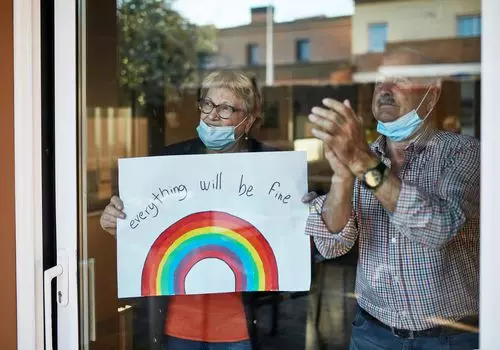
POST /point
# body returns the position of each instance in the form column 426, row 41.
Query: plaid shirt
column 420, row 264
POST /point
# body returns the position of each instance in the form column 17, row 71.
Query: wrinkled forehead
column 221, row 94
column 406, row 65
column 405, row 80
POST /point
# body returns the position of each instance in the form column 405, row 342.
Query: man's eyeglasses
column 400, row 82
column 223, row 110
column 404, row 83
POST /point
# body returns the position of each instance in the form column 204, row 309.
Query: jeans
column 367, row 335
column 172, row 343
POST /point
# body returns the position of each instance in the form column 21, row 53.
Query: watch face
column 373, row 177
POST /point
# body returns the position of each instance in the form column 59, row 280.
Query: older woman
column 229, row 105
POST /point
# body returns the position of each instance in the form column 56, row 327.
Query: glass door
column 129, row 75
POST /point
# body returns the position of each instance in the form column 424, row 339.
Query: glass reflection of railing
column 112, row 133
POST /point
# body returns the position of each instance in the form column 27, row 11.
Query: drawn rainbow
column 203, row 235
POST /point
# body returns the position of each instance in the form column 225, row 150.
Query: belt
column 431, row 332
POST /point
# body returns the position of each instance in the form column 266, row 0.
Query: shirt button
column 394, row 240
column 155, row 340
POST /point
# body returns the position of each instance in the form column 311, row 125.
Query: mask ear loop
column 421, row 102
column 244, row 134
column 426, row 116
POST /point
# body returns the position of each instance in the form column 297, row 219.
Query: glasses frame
column 233, row 109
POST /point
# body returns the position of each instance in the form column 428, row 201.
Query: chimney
column 259, row 14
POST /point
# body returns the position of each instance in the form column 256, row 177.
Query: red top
column 210, row 318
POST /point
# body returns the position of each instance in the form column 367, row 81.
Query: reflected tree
column 158, row 53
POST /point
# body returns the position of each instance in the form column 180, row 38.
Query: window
column 203, row 60
column 468, row 26
column 377, row 37
column 303, row 50
column 252, row 54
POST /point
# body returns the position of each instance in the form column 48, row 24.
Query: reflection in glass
column 146, row 60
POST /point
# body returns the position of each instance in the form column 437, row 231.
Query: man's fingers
column 117, row 202
column 328, row 114
column 340, row 108
column 323, row 136
column 309, row 197
column 322, row 123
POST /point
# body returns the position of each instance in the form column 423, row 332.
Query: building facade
column 311, row 50
column 447, row 31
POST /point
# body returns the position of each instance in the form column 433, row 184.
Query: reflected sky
column 230, row 13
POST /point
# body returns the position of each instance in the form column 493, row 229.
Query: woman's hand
column 110, row 215
column 309, row 197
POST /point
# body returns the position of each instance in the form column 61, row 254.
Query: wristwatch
column 374, row 177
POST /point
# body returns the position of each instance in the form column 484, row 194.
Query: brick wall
column 330, row 40
column 450, row 50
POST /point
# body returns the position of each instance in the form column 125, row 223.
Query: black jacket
column 150, row 313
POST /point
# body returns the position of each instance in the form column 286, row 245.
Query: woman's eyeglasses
column 223, row 110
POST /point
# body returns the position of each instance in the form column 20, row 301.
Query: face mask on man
column 217, row 137
column 403, row 127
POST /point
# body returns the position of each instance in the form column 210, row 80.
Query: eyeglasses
column 223, row 110
column 401, row 82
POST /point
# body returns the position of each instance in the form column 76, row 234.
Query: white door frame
column 490, row 168
column 66, row 163
column 28, row 174
column 27, row 113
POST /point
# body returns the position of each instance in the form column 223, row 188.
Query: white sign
column 213, row 224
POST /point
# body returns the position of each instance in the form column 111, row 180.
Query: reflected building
column 312, row 51
column 447, row 33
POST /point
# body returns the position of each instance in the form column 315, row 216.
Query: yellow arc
column 211, row 230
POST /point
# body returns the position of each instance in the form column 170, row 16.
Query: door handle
column 59, row 271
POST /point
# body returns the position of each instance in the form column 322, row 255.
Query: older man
column 412, row 200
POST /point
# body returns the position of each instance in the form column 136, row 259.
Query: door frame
column 27, row 113
column 490, row 168
column 28, row 170
column 66, row 166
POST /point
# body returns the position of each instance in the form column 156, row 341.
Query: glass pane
column 390, row 238
column 303, row 50
column 377, row 37
column 469, row 26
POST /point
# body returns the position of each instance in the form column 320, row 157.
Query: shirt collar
column 417, row 145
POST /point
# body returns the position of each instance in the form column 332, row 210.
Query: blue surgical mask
column 217, row 137
column 403, row 127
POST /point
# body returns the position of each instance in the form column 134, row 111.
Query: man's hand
column 340, row 171
column 343, row 133
column 110, row 215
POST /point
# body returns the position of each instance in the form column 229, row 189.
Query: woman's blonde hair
column 241, row 85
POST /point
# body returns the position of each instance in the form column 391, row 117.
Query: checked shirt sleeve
column 329, row 244
column 434, row 218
